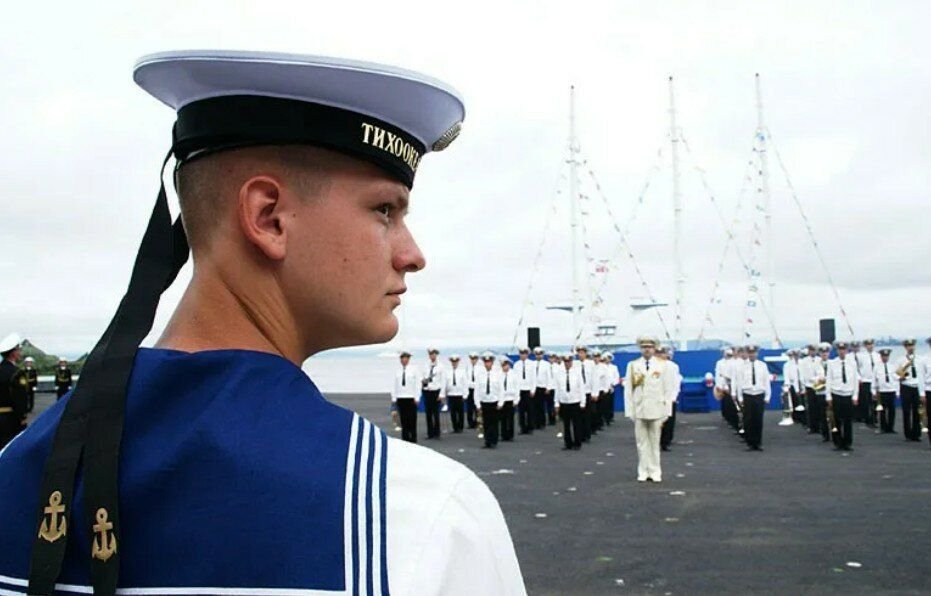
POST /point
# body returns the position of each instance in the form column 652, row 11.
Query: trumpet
column 902, row 371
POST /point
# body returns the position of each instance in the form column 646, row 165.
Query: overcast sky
column 846, row 89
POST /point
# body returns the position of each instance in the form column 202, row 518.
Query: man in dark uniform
column 63, row 379
column 14, row 388
column 32, row 377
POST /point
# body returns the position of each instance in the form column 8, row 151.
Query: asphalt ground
column 797, row 518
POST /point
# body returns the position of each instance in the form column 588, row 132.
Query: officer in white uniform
column 405, row 396
column 723, row 387
column 489, row 392
column 669, row 425
column 913, row 382
column 524, row 370
column 434, row 391
column 819, row 376
column 885, row 392
column 457, row 384
column 570, row 397
column 753, row 392
column 792, row 387
column 841, row 393
column 471, row 403
column 541, row 377
column 648, row 385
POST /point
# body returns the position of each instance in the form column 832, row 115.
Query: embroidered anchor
column 54, row 527
column 103, row 550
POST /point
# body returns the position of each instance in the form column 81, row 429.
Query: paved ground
column 790, row 520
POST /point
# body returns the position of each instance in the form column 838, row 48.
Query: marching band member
column 867, row 363
column 405, row 395
column 570, row 397
column 457, row 384
column 912, row 372
column 841, row 394
column 753, row 393
column 808, row 371
column 523, row 369
column 541, row 375
column 885, row 390
column 32, row 379
column 63, row 378
column 669, row 425
column 488, row 392
column 793, row 387
column 471, row 402
column 587, row 368
column 599, row 375
column 510, row 391
column 614, row 381
column 555, row 363
column 648, row 383
column 434, row 390
column 723, row 373
column 819, row 376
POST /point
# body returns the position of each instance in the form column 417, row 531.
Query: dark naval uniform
column 63, row 381
column 14, row 391
column 32, row 378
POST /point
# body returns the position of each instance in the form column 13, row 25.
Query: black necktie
column 648, row 364
column 584, row 380
column 431, row 373
column 753, row 368
column 488, row 384
column 505, row 382
column 524, row 370
column 914, row 374
column 473, row 374
column 567, row 381
column 843, row 371
column 454, row 377
column 403, row 377
column 886, row 366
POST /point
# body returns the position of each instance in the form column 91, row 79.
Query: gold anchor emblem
column 103, row 550
column 54, row 527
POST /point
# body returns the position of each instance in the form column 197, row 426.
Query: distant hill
column 46, row 363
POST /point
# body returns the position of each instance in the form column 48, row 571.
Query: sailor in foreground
column 911, row 371
column 843, row 382
column 405, row 396
column 63, row 378
column 753, row 392
column 570, row 396
column 14, row 390
column 667, row 435
column 648, row 383
column 456, row 387
column 488, row 393
column 471, row 402
column 236, row 475
column 524, row 370
column 886, row 389
column 32, row 377
column 434, row 391
column 541, row 379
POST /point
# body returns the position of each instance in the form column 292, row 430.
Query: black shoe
column 664, row 447
column 848, row 448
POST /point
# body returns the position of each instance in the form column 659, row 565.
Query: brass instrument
column 879, row 403
column 819, row 384
column 829, row 412
column 902, row 371
column 637, row 379
column 923, row 415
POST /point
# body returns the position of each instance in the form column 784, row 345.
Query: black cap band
column 229, row 122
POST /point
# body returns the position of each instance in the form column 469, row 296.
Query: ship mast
column 767, row 208
column 574, row 211
column 677, row 221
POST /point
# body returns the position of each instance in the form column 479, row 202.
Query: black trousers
column 538, row 399
column 887, row 416
column 455, row 412
column 843, row 418
column 669, row 429
column 609, row 408
column 594, row 413
column 911, row 427
column 797, row 416
column 571, row 415
column 506, row 417
column 490, row 423
column 407, row 414
column 61, row 390
column 30, row 399
column 754, row 405
column 471, row 409
column 865, row 409
column 550, row 402
column 729, row 411
column 431, row 406
column 525, row 412
column 586, row 419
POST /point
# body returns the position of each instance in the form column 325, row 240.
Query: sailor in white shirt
column 555, row 363
column 648, row 385
column 912, row 372
column 613, row 378
column 753, row 392
column 842, row 395
column 457, row 384
column 405, row 395
column 819, row 380
column 570, row 397
column 434, row 390
column 541, row 378
column 669, row 425
column 587, row 369
column 723, row 373
column 867, row 365
column 885, row 390
column 488, row 392
column 510, row 392
column 471, row 402
column 524, row 370
column 807, row 370
column 793, row 389
column 599, row 374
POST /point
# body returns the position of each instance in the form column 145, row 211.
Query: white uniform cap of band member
column 473, row 354
column 568, row 356
column 454, row 358
column 539, row 351
column 29, row 360
column 609, row 356
column 647, row 340
column 404, row 354
column 10, row 342
column 486, row 356
column 523, row 350
column 505, row 360
column 885, row 351
column 824, row 347
column 728, row 351
column 596, row 353
column 752, row 348
column 909, row 341
column 433, row 351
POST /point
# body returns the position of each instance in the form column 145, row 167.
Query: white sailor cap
column 505, row 359
column 523, row 349
column 869, row 341
column 538, row 350
column 728, row 351
column 404, row 354
column 454, row 358
column 824, row 347
column 433, row 351
column 62, row 359
column 10, row 342
column 608, row 355
column 473, row 354
column 486, row 356
column 581, row 348
column 752, row 348
column 908, row 341
column 29, row 359
column 226, row 99
column 568, row 356
column 841, row 344
column 646, row 340
column 885, row 351
column 553, row 355
column 596, row 352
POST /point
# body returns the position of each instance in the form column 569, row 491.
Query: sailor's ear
column 259, row 211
